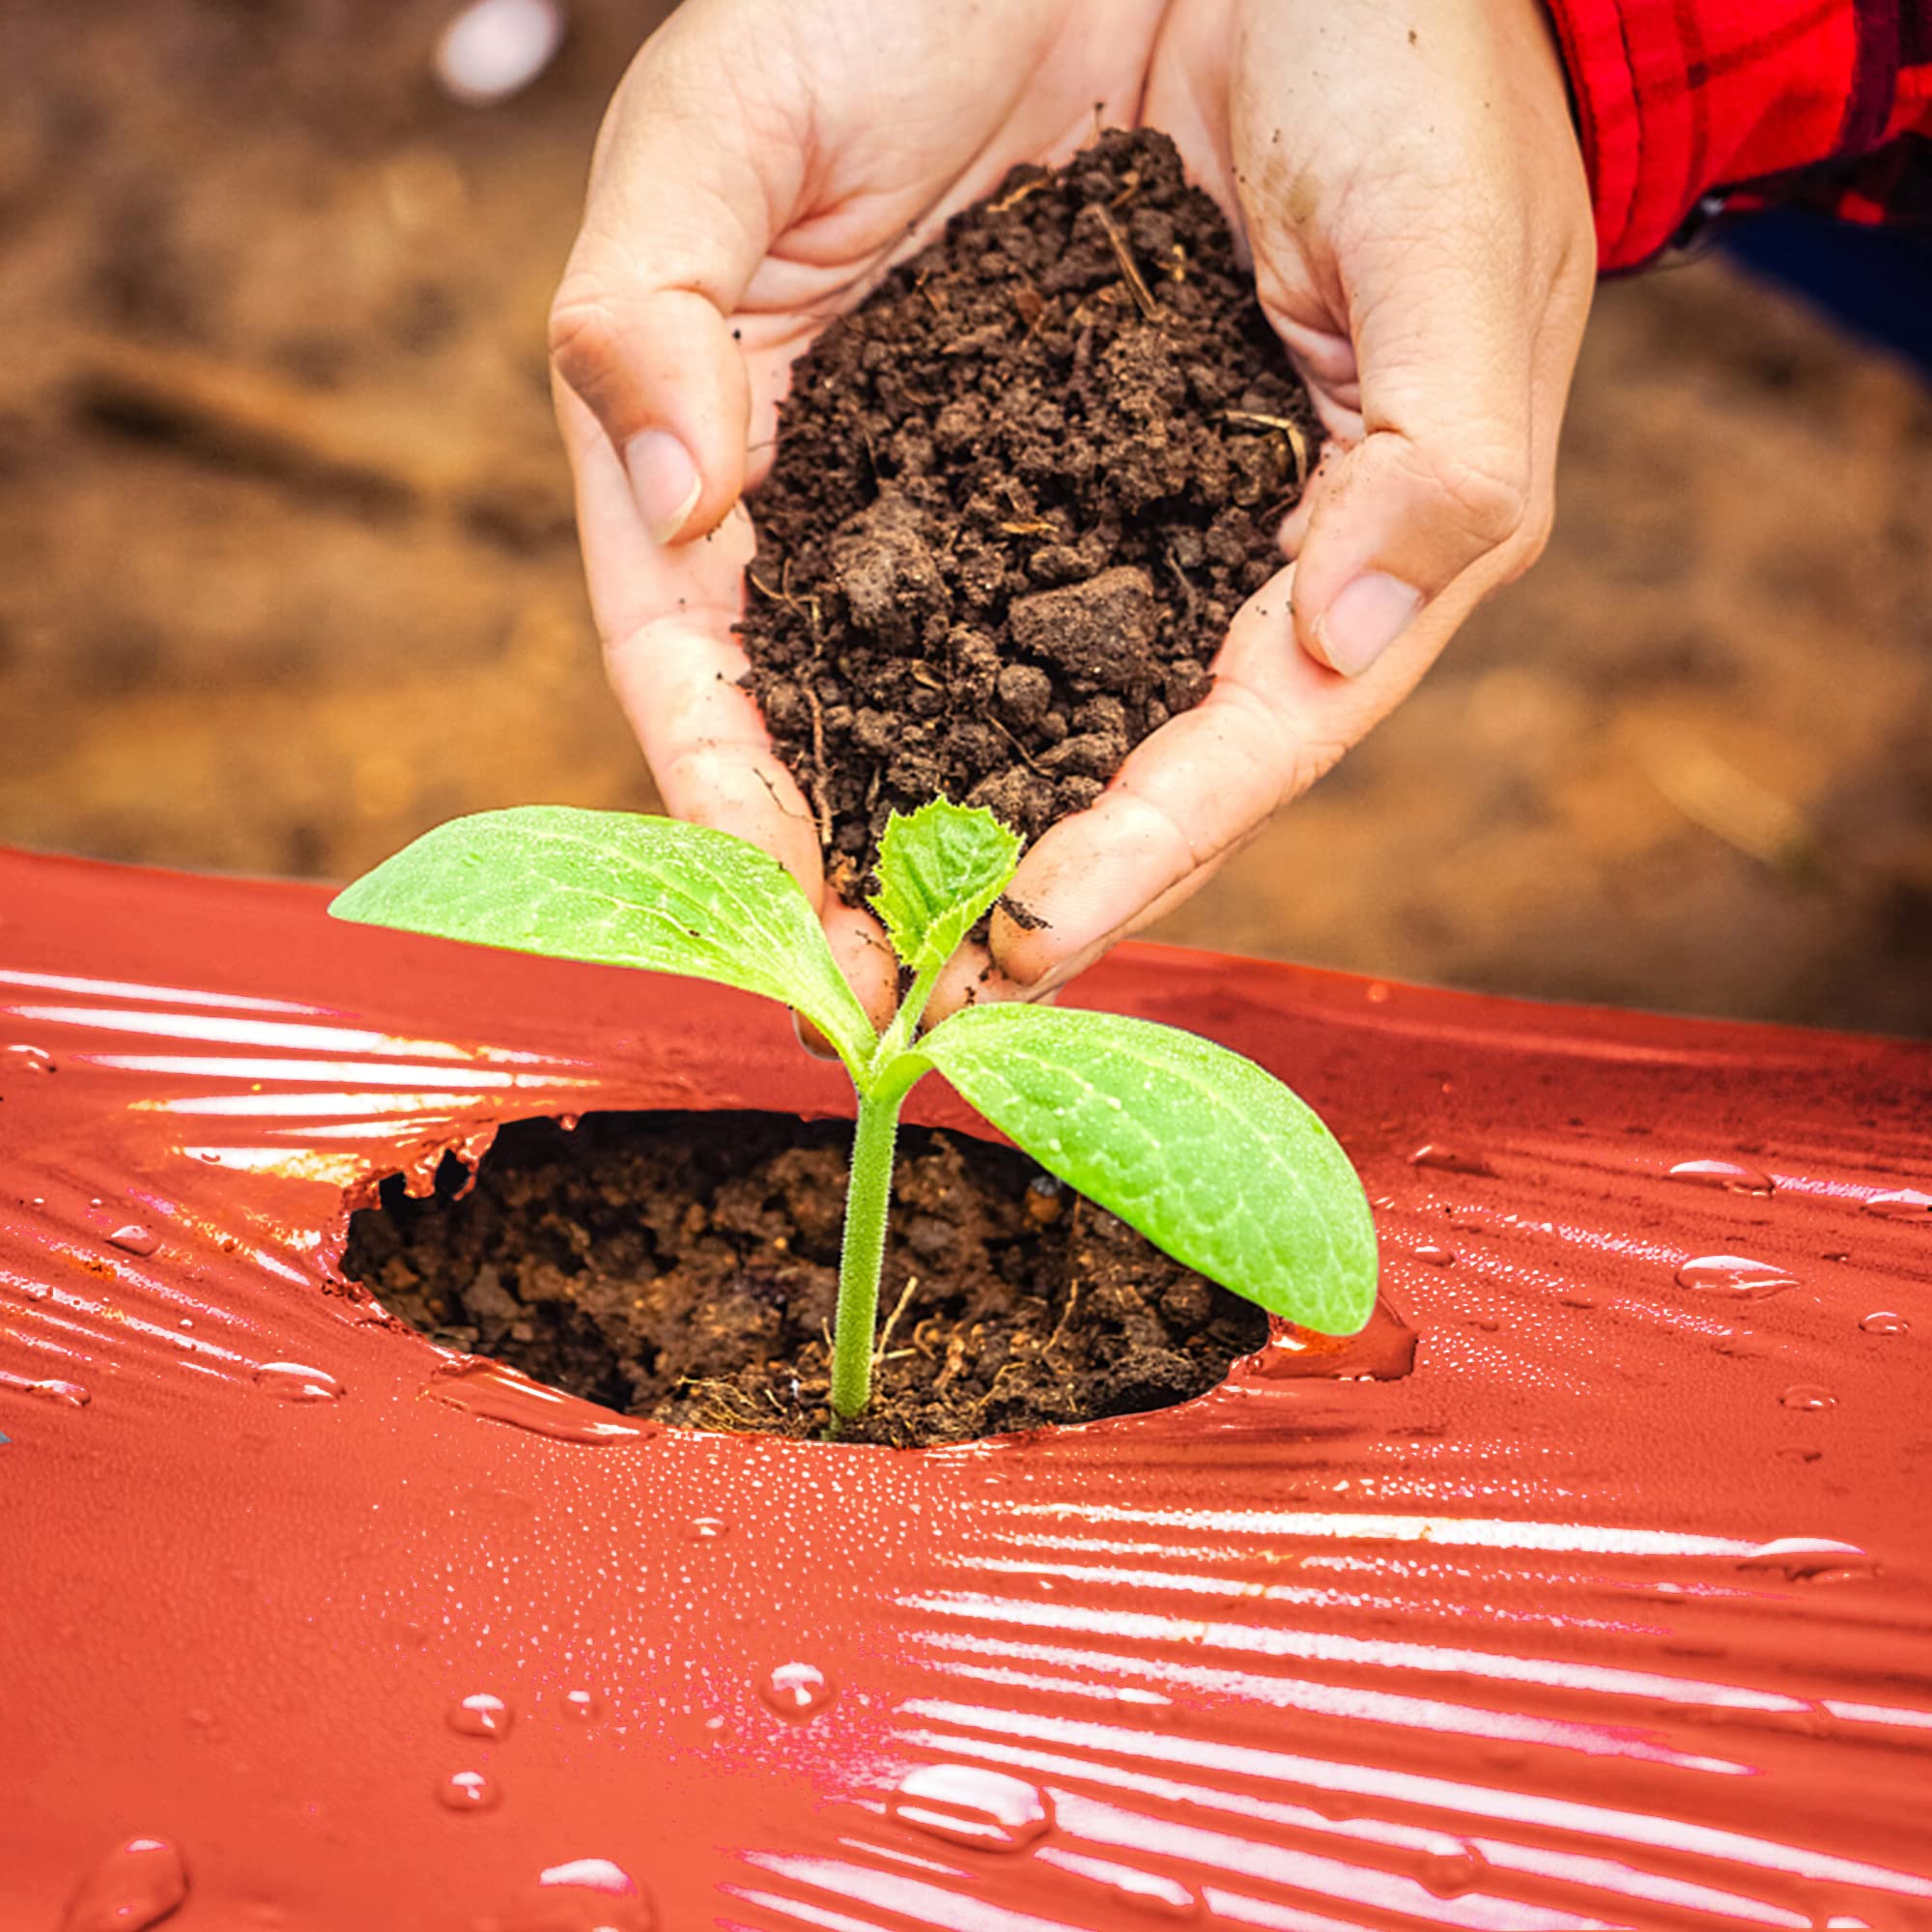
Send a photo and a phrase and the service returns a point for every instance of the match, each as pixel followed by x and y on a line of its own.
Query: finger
pixel 1184 798
pixel 1444 479
pixel 1436 283
pixel 972 979
pixel 685 197
pixel 675 665
pixel 1293 531
pixel 865 957
pixel 1191 795
pixel 1194 793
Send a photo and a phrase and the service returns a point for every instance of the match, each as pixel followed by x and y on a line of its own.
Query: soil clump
pixel 1018 493
pixel 684 1267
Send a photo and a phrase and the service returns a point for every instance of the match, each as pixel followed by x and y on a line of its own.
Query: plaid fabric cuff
pixel 1677 99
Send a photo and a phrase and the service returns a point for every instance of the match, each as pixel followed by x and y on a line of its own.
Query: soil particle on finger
pixel 685 1268
pixel 1017 496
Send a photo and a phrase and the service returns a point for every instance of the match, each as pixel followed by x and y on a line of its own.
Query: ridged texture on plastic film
pixel 1590 1587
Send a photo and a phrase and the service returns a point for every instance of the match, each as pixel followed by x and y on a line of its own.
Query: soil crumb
pixel 685 1268
pixel 1018 494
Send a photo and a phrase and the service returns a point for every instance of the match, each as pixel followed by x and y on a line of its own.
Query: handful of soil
pixel 1020 493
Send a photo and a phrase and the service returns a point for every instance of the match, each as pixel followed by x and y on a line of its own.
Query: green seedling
pixel 1206 1153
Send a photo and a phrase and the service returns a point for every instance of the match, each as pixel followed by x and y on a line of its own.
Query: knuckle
pixel 1487 496
pixel 583 338
pixel 1533 537
pixel 1309 762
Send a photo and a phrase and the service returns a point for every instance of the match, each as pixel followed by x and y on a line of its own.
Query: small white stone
pixel 494 48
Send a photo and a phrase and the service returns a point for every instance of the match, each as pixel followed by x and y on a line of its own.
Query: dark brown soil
pixel 684 1267
pixel 1018 494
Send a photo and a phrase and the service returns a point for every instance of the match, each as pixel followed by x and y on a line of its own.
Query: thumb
pixel 1449 476
pixel 677 219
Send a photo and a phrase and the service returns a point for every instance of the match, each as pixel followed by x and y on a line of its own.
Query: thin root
pixel 892 1320
pixel 818 763
pixel 1065 1316
pixel 1032 763
pixel 1129 267
pixel 1020 193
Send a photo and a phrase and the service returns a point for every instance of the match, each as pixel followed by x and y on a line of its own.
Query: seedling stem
pixel 1203 1152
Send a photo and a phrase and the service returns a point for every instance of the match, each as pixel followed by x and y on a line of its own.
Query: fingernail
pixel 665 481
pixel 1046 989
pixel 1364 619
pixel 812 1040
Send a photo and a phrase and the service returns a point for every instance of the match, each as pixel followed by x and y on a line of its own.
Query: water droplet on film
pixel 1735 1275
pixel 1907 1204
pixel 1433 1255
pixel 585 1896
pixel 468 1791
pixel 69 1395
pixel 1884 1321
pixel 296 1381
pixel 1809 1396
pixel 987 1810
pixel 586 1706
pixel 135 1237
pixel 1448 1874
pixel 481 1715
pixel 797 1691
pixel 1730 1175
pixel 708 1528
pixel 496 1390
pixel 1802 1558
pixel 1450 1160
pixel 135 1886
pixel 1156 1895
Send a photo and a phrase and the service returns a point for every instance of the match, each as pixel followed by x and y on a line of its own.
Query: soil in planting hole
pixel 684 1267
pixel 1017 496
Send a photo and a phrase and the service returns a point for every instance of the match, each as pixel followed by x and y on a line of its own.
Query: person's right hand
pixel 763 163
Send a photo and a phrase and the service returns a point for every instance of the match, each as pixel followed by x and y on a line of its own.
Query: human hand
pixel 762 165
pixel 1421 233
pixel 1412 190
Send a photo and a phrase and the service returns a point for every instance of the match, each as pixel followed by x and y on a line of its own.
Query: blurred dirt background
pixel 287 570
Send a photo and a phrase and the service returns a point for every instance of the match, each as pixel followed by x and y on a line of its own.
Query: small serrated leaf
pixel 940 871
pixel 1208 1154
pixel 619 888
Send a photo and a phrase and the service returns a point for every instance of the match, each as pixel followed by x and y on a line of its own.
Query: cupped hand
pixel 1410 187
pixel 763 163
pixel 1412 193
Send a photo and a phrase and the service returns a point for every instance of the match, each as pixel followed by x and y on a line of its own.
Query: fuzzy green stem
pixel 867 1197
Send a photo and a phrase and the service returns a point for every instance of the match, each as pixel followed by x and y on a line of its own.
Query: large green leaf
pixel 621 889
pixel 1206 1153
pixel 940 869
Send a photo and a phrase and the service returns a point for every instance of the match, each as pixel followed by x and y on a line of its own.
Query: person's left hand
pixel 763 163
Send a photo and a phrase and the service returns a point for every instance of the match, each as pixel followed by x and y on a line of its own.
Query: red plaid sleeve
pixel 1688 104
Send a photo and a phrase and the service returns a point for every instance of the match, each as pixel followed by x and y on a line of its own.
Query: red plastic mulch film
pixel 1608 1603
